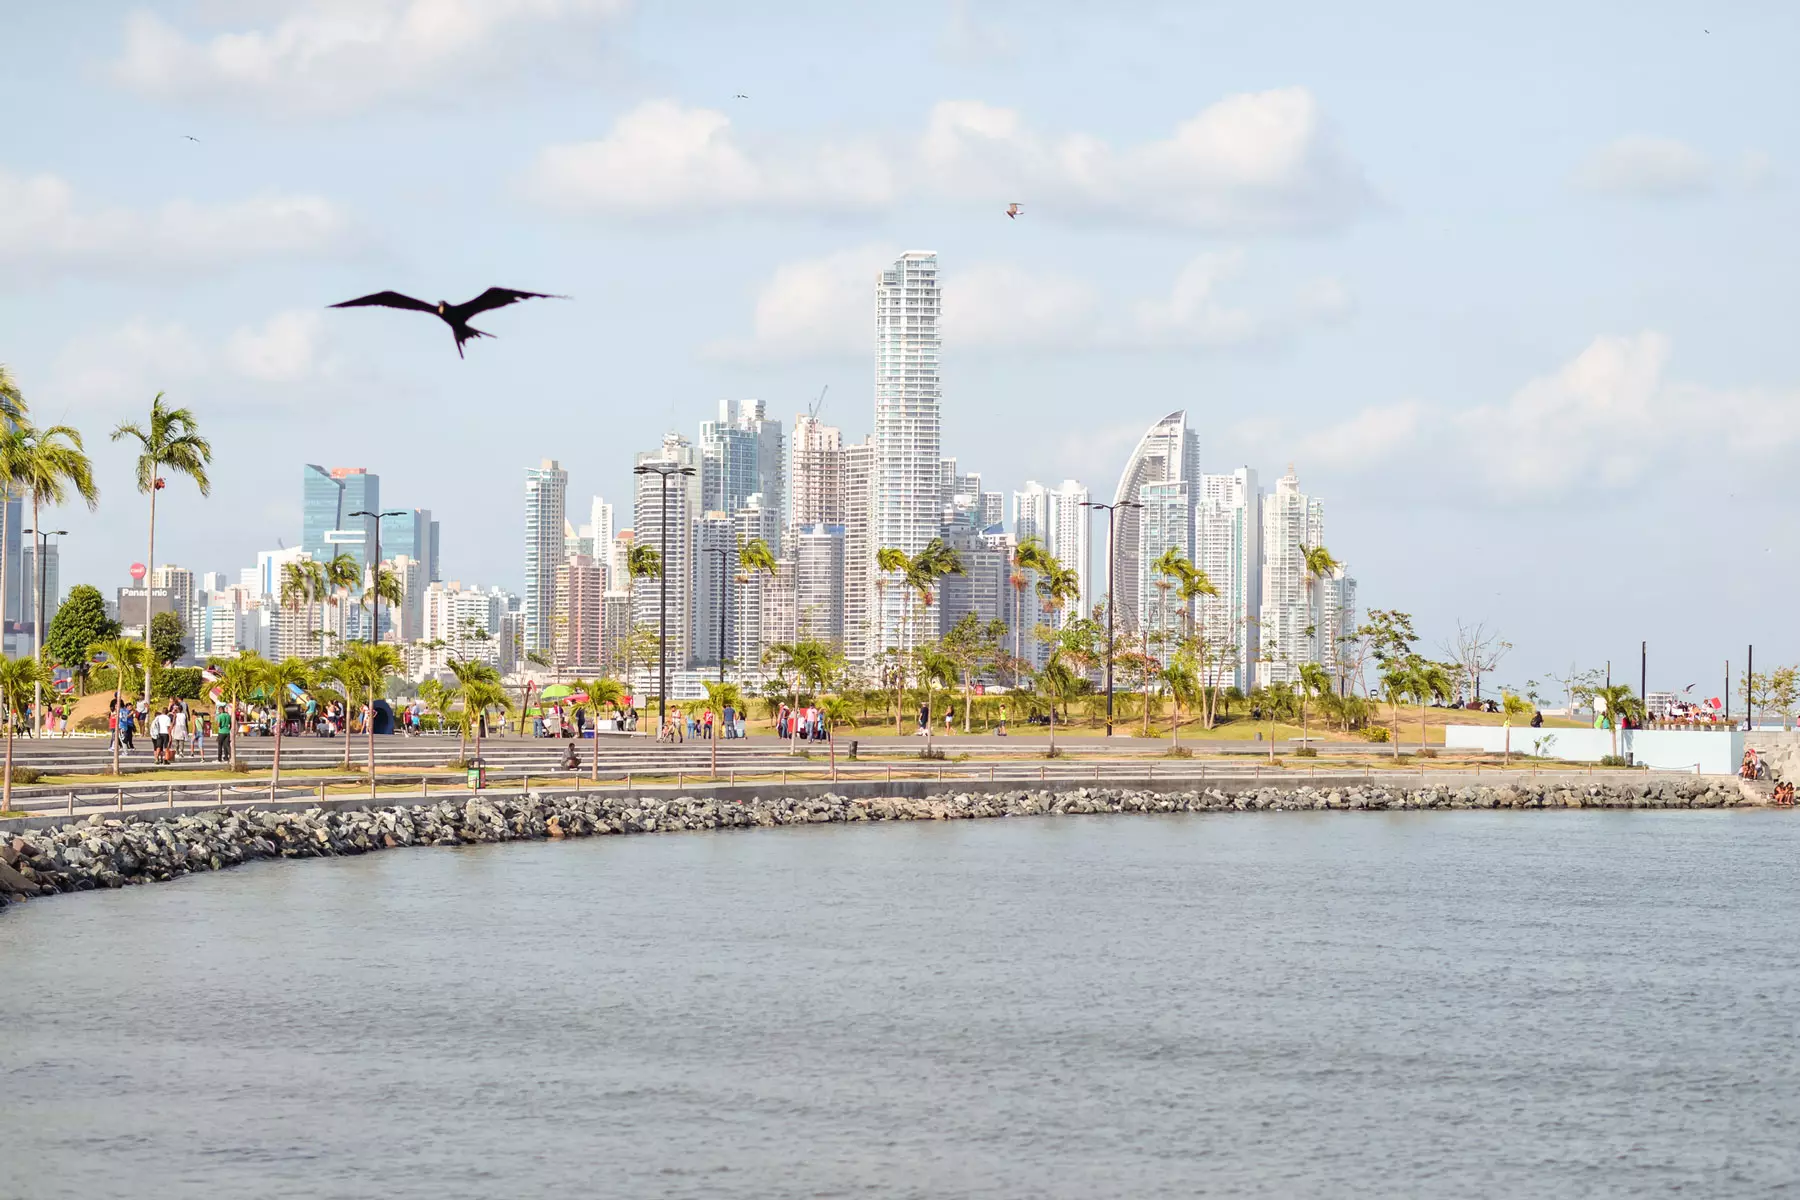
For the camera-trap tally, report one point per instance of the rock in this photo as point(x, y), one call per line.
point(15, 883)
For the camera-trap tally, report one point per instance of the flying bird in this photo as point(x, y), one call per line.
point(1013, 210)
point(454, 315)
point(740, 96)
point(190, 137)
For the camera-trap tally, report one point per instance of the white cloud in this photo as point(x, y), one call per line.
point(46, 230)
point(118, 369)
point(661, 158)
point(1609, 420)
point(1254, 162)
point(337, 55)
point(822, 308)
point(1649, 167)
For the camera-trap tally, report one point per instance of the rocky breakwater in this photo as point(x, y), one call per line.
point(113, 852)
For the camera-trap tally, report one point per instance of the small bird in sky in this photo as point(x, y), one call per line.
point(740, 96)
point(454, 315)
point(190, 137)
point(1014, 209)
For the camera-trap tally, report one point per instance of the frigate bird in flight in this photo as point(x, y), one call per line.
point(1013, 210)
point(454, 315)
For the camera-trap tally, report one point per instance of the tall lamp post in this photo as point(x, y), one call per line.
point(724, 601)
point(1110, 509)
point(665, 470)
point(37, 617)
point(375, 620)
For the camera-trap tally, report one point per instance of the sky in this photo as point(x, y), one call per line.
point(1511, 286)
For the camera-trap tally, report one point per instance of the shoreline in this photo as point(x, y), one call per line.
point(112, 852)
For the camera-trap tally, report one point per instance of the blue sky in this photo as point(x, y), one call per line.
point(1511, 288)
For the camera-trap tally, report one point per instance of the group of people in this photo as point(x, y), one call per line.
point(176, 729)
point(678, 726)
point(802, 724)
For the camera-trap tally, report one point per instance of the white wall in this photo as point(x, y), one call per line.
point(1715, 753)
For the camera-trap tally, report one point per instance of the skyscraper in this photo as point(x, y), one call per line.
point(1167, 452)
point(909, 489)
point(739, 458)
point(580, 612)
point(715, 563)
point(1165, 523)
point(818, 553)
point(859, 551)
point(327, 498)
point(816, 482)
point(1289, 631)
point(1056, 518)
point(546, 492)
point(677, 572)
point(1228, 547)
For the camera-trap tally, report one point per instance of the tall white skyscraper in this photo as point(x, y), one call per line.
point(816, 480)
point(546, 494)
point(1228, 547)
point(859, 551)
point(677, 550)
point(1056, 518)
point(1168, 452)
point(1289, 633)
point(909, 489)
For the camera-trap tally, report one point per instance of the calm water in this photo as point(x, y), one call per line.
point(1463, 1004)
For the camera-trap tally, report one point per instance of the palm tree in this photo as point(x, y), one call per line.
point(120, 652)
point(278, 678)
point(18, 677)
point(339, 577)
point(171, 442)
point(367, 667)
point(335, 670)
point(1314, 681)
point(1029, 555)
point(641, 562)
point(1396, 683)
point(1319, 565)
point(720, 696)
point(12, 418)
point(478, 689)
point(1621, 703)
point(935, 667)
point(383, 584)
point(1056, 682)
point(52, 465)
point(1427, 681)
point(919, 573)
point(302, 585)
point(239, 678)
point(1183, 681)
point(12, 400)
point(1513, 705)
point(889, 561)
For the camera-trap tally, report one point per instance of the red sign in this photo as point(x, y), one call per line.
point(138, 570)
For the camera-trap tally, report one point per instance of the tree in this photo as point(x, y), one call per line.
point(1390, 637)
point(278, 679)
point(367, 668)
point(80, 621)
point(1028, 556)
point(167, 639)
point(1513, 705)
point(52, 466)
point(382, 583)
point(340, 577)
point(170, 443)
point(935, 667)
point(121, 653)
point(1315, 681)
point(239, 677)
point(1474, 652)
point(1426, 681)
point(919, 574)
point(1784, 690)
point(972, 644)
point(477, 689)
point(333, 682)
point(302, 585)
point(19, 678)
point(1613, 702)
point(1182, 678)
point(719, 697)
point(1056, 683)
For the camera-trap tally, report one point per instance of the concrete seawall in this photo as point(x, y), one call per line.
point(115, 852)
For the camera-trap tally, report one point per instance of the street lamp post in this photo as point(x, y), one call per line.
point(37, 618)
point(664, 470)
point(375, 619)
point(724, 601)
point(1110, 556)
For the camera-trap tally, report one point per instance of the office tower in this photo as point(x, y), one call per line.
point(184, 596)
point(1167, 452)
point(909, 484)
point(739, 458)
point(816, 481)
point(778, 597)
point(715, 564)
point(1228, 547)
point(321, 510)
point(981, 589)
point(858, 481)
point(414, 534)
point(577, 541)
point(327, 498)
point(405, 622)
point(1289, 632)
point(1056, 518)
point(546, 490)
point(1165, 523)
point(580, 597)
point(992, 509)
point(683, 505)
point(599, 533)
point(771, 460)
point(818, 553)
point(269, 563)
point(30, 586)
point(618, 560)
point(1337, 618)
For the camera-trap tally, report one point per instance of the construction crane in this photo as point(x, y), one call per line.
point(813, 409)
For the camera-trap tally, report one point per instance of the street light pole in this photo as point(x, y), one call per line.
point(37, 618)
point(375, 620)
point(1110, 558)
point(664, 470)
point(724, 602)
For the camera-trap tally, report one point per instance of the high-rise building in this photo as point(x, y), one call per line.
point(184, 596)
point(1288, 634)
point(818, 553)
point(748, 524)
point(816, 482)
point(981, 589)
point(405, 622)
point(599, 532)
point(465, 620)
point(50, 585)
point(414, 534)
point(715, 563)
point(1056, 518)
point(1168, 452)
point(546, 492)
point(580, 612)
point(674, 544)
point(1228, 547)
point(909, 486)
point(859, 552)
point(615, 625)
point(327, 498)
point(1337, 618)
point(1165, 523)
point(739, 458)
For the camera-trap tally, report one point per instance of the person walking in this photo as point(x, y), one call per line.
point(222, 726)
point(127, 726)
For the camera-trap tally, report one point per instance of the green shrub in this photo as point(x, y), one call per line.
point(180, 683)
point(1375, 733)
point(1306, 752)
point(932, 753)
point(1425, 752)
point(1054, 752)
point(1178, 752)
point(25, 775)
point(1614, 760)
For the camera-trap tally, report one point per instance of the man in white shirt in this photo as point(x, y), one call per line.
point(159, 735)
